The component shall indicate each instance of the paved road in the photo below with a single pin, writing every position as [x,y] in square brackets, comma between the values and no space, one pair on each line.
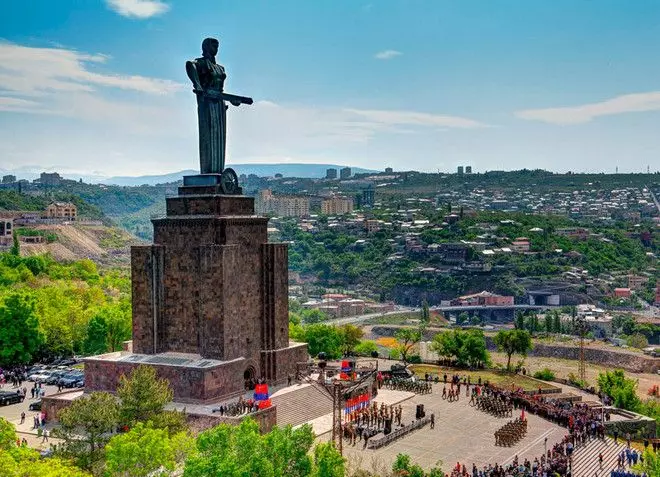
[655,199]
[361,318]
[13,414]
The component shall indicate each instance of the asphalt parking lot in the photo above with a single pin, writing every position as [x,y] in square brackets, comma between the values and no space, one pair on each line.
[12,413]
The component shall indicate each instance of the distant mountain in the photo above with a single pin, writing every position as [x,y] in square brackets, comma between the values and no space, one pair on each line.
[287,170]
[148,180]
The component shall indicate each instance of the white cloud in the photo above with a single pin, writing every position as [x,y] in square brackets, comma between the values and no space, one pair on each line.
[413,118]
[628,103]
[387,54]
[42,71]
[63,82]
[139,9]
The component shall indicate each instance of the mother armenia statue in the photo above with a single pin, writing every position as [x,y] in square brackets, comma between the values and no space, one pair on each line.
[208,79]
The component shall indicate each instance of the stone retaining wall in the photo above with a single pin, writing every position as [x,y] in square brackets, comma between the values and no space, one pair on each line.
[634,362]
[266,418]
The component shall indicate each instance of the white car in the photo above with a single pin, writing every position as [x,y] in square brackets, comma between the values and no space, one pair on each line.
[40,376]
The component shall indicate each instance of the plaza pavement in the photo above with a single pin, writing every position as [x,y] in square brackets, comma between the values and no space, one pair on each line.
[13,414]
[462,434]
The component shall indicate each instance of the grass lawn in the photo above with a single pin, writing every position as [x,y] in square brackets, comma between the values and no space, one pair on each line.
[499,378]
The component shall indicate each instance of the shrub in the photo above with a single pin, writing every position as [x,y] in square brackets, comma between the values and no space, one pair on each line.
[545,374]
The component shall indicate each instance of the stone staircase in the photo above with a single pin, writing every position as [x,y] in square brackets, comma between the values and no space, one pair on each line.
[300,403]
[585,459]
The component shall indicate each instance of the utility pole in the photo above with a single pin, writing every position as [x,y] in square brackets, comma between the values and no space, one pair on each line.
[581,368]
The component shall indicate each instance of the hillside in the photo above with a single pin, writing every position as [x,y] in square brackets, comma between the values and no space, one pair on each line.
[102,244]
[261,170]
[12,200]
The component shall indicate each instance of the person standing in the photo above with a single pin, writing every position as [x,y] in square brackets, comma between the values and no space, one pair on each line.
[45,436]
[22,417]
[432,421]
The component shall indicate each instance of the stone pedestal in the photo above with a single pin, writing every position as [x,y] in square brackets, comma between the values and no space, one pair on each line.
[210,301]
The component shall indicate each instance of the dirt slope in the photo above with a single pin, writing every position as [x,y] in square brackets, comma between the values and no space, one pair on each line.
[105,245]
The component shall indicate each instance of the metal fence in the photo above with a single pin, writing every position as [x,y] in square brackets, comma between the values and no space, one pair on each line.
[376,443]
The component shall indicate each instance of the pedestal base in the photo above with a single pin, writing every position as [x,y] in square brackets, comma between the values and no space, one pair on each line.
[204,184]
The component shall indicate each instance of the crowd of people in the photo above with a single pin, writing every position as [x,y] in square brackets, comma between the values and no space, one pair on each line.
[365,423]
[583,423]
[238,408]
[413,386]
[15,376]
[511,432]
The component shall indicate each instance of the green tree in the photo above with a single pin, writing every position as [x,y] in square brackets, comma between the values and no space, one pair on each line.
[238,451]
[519,320]
[462,318]
[403,467]
[650,463]
[637,340]
[556,322]
[322,338]
[513,342]
[143,395]
[118,322]
[19,330]
[97,335]
[16,246]
[425,314]
[407,338]
[26,462]
[313,315]
[85,428]
[143,450]
[622,390]
[468,347]
[328,462]
[7,434]
[548,323]
[350,337]
[366,348]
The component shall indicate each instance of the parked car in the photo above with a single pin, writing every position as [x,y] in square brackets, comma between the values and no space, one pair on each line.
[10,397]
[56,376]
[42,375]
[35,405]
[70,380]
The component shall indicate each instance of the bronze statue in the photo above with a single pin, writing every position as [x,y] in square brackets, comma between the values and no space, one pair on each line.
[208,79]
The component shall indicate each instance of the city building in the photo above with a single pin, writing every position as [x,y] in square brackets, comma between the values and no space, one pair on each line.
[6,231]
[389,170]
[368,196]
[331,173]
[345,173]
[8,179]
[657,295]
[50,179]
[459,170]
[636,282]
[61,210]
[337,305]
[520,245]
[282,206]
[483,299]
[371,225]
[622,292]
[468,169]
[337,206]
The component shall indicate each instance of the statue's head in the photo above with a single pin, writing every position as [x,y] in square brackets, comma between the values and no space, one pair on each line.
[210,47]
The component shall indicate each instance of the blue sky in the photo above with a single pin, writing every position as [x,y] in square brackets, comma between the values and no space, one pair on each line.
[99,87]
